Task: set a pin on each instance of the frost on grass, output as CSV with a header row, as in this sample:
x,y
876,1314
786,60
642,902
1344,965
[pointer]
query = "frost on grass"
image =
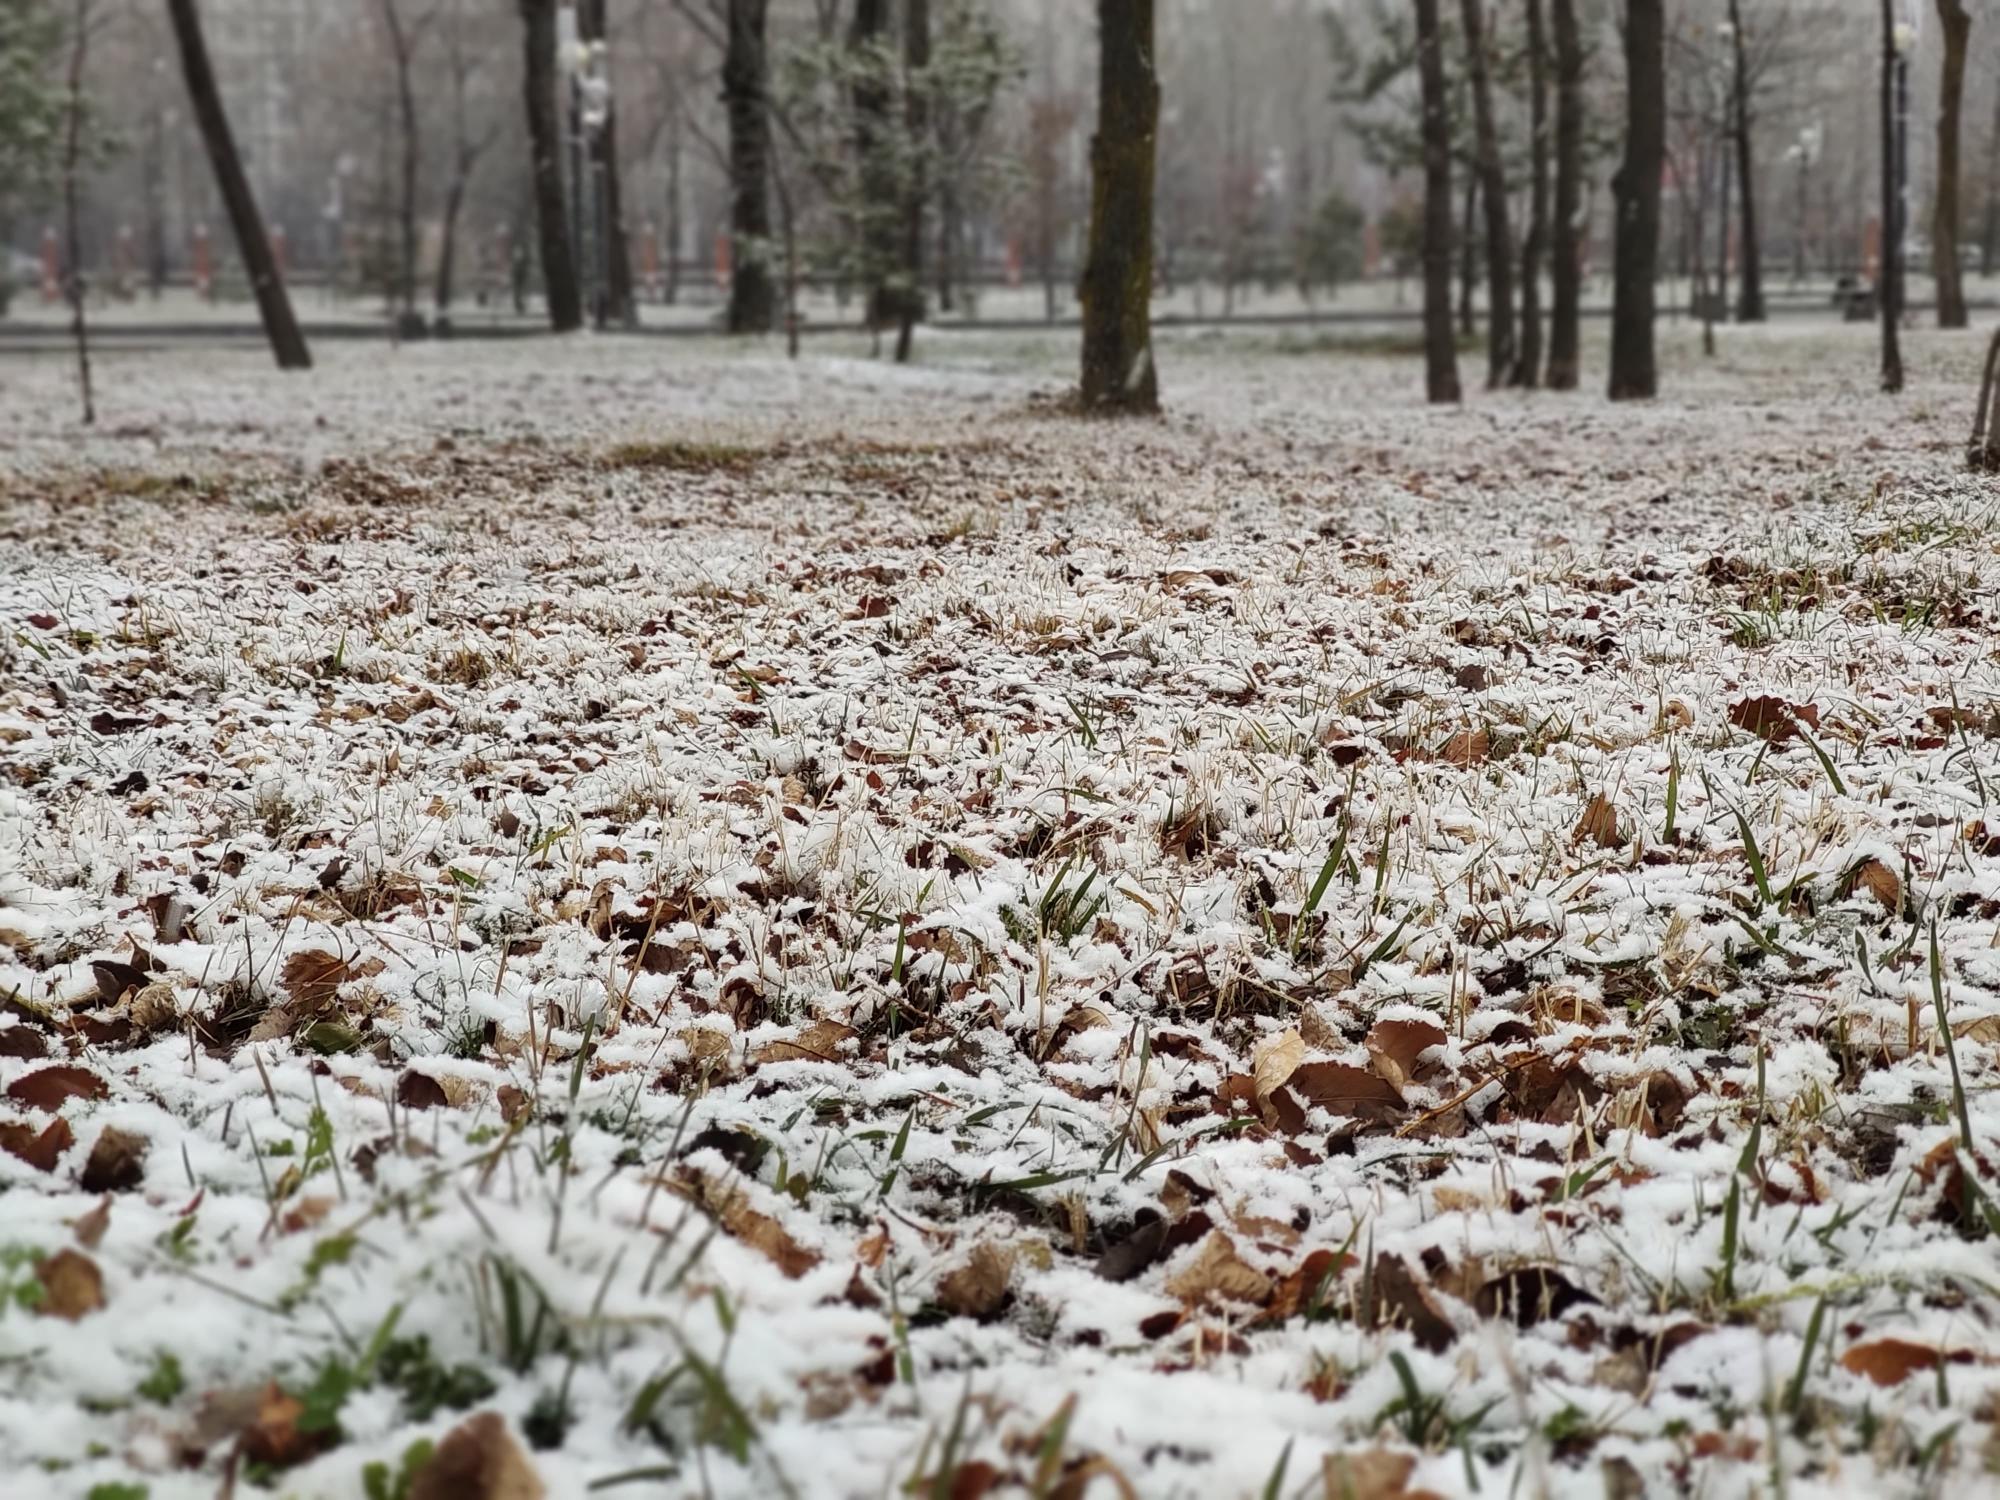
x,y
784,930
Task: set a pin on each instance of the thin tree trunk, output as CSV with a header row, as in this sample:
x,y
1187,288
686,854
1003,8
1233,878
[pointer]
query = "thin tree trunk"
x,y
673,287
274,306
73,282
401,45
1500,350
1957,22
1117,282
1750,280
1565,268
620,306
874,153
1534,249
745,87
916,98
1892,238
1989,241
1468,256
1636,188
545,145
454,201
1440,351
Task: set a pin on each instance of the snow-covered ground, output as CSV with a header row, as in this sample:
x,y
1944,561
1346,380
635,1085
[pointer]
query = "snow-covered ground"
x,y
816,928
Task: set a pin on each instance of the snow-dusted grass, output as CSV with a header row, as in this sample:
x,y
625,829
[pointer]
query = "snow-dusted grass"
x,y
808,927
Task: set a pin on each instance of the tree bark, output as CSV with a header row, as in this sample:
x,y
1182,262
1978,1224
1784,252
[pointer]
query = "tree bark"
x,y
1500,349
73,283
1634,374
1117,283
401,46
877,229
1888,282
1565,269
1750,277
1957,23
454,201
620,306
1989,241
1534,249
1468,256
1440,350
745,86
916,104
274,306
545,144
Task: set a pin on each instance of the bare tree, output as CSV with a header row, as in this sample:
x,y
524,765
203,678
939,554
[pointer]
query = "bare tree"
x,y
1117,282
545,149
618,304
1750,275
1440,352
1534,249
1636,188
288,344
1566,271
74,286
404,39
1957,23
1500,351
746,88
916,106
1892,236
467,147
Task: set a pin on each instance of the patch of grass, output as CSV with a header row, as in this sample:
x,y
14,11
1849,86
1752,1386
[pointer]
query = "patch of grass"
x,y
684,456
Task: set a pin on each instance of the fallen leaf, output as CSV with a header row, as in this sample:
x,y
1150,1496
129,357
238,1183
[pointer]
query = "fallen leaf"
x,y
513,1103
1881,882
1469,747
819,1042
1396,1299
1344,1090
1277,1058
1371,1474
89,1227
1890,1361
115,980
979,1287
307,1213
1395,1046
1299,1288
1218,1273
761,1232
1772,719
50,1088
1599,824
72,1286
312,978
272,1436
40,1151
1528,1294
416,1090
117,1162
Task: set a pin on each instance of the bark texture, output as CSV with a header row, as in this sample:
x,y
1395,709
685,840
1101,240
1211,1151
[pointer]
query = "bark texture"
x,y
1566,265
545,147
1889,284
1634,373
1440,351
1750,276
916,59
1117,282
745,89
619,305
274,306
1534,249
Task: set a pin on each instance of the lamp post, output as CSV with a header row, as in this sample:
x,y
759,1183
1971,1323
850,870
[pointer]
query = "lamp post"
x,y
587,67
1894,281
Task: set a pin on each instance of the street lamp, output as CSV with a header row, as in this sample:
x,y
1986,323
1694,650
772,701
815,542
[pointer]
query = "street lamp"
x,y
1803,153
587,65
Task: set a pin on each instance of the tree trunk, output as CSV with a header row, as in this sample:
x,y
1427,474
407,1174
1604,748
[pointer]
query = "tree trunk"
x,y
1500,350
1117,283
401,45
454,200
1892,239
878,227
1440,351
73,282
1534,249
620,306
1468,256
1957,22
545,146
916,99
674,236
745,81
274,306
1565,268
1750,279
1989,241
1637,192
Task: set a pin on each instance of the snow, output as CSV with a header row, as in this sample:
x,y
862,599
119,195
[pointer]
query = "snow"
x,y
691,763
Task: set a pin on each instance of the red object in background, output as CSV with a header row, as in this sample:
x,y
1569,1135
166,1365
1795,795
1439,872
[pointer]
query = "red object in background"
x,y
51,266
1871,246
278,248
722,261
1371,248
649,258
1013,262
124,259
204,269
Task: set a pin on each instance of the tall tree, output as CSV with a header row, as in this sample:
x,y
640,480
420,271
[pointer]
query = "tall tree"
x,y
404,37
619,305
1566,268
1989,241
1890,284
274,305
1440,352
467,147
73,280
545,146
1750,274
916,108
876,152
1534,249
1117,283
746,87
1636,190
1500,351
1957,23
